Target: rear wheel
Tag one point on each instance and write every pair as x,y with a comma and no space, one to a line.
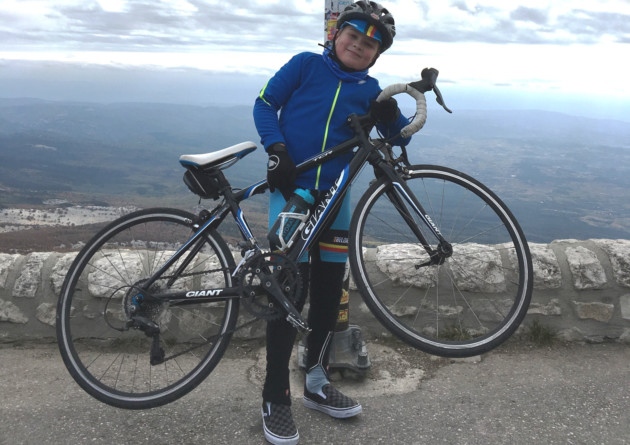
470,303
119,361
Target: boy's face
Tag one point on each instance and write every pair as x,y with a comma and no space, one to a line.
355,50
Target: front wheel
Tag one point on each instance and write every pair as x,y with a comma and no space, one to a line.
470,302
107,318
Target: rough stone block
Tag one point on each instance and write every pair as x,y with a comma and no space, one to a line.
551,308
11,313
401,269
596,311
46,313
587,271
488,269
27,283
624,303
619,253
570,334
547,274
7,261
59,271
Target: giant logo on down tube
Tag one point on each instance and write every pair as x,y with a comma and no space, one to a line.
321,207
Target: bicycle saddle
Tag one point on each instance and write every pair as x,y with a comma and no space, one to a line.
220,159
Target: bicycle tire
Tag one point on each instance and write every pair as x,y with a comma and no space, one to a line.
112,363
466,306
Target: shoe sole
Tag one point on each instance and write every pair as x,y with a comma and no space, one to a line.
337,413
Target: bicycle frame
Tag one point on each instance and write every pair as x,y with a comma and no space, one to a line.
323,215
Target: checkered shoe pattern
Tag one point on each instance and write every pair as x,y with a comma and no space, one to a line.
332,402
278,424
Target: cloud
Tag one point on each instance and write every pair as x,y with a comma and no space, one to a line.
595,26
540,44
156,25
535,16
558,22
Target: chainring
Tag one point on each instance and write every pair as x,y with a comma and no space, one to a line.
256,301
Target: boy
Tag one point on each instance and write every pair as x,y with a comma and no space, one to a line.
315,94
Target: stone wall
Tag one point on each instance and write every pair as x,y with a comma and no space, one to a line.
581,291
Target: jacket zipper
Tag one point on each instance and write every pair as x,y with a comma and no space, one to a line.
332,109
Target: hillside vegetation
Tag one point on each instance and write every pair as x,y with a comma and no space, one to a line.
563,176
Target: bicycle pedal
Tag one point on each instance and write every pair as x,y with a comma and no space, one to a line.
299,324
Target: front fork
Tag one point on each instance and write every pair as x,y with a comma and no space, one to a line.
402,198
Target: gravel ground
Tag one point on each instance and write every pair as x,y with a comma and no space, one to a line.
518,394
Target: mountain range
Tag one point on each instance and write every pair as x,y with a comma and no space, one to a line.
563,176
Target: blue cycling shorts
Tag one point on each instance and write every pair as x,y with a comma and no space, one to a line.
333,245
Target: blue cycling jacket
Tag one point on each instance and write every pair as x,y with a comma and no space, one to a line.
314,102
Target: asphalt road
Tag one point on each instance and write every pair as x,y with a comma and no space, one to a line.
567,394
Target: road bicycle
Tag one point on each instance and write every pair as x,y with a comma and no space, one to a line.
150,303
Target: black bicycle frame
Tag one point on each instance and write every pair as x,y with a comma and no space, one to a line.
325,210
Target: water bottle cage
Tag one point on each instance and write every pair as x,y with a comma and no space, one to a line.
290,217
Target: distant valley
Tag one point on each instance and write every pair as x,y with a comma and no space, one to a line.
563,176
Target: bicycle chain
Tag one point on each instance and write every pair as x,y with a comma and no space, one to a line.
258,304
285,272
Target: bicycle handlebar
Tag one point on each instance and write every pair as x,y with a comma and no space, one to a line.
416,90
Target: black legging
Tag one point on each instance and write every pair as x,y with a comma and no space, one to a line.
325,282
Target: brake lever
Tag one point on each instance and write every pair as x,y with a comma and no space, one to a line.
439,99
428,83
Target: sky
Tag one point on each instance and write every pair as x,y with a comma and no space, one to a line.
554,54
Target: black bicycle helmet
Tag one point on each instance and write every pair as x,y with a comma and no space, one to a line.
375,14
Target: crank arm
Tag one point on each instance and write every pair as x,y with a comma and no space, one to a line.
299,324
